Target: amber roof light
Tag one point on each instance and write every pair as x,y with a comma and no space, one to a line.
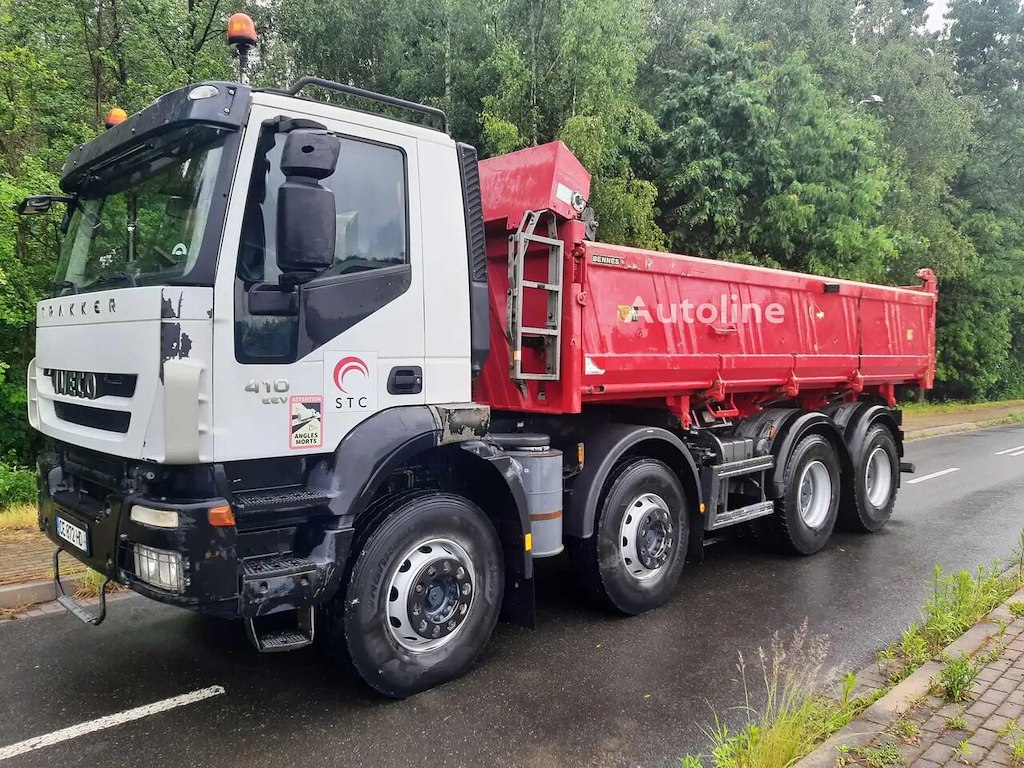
115,116
241,30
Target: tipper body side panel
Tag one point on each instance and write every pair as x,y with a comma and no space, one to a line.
648,328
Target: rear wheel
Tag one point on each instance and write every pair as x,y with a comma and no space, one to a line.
633,561
869,500
806,513
423,595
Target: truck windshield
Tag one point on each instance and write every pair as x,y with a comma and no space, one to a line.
139,221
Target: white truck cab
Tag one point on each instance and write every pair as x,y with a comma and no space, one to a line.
267,316
170,277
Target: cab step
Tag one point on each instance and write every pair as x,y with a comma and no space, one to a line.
271,634
74,607
279,499
273,584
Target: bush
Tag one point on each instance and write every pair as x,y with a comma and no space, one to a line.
17,486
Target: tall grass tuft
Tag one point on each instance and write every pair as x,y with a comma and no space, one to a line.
786,714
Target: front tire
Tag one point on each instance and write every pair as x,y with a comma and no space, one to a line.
805,515
633,560
869,500
423,595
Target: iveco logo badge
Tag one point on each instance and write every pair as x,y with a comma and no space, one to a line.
74,383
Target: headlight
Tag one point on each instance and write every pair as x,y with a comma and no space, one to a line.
159,567
158,518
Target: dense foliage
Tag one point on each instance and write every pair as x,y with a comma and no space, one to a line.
742,129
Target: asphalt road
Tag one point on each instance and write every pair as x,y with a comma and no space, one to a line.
582,689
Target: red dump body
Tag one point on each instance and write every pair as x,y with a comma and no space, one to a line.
678,332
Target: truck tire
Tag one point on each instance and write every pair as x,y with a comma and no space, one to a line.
806,513
423,594
869,498
633,560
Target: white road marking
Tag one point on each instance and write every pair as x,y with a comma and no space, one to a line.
108,721
1017,453
1010,450
933,475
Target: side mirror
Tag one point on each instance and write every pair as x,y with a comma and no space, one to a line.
306,211
37,204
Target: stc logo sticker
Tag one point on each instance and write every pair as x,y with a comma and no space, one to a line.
346,366
351,381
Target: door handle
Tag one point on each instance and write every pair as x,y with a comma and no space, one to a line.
405,380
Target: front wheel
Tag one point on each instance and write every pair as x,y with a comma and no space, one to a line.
633,560
423,596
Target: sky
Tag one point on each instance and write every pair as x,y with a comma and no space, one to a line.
935,11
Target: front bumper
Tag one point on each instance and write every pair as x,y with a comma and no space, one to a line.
227,571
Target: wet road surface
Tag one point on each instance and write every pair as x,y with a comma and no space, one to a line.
584,688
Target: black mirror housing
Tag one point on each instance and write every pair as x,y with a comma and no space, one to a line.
39,204
306,211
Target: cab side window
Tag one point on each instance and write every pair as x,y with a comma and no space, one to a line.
371,246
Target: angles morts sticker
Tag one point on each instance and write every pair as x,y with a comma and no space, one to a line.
350,381
307,421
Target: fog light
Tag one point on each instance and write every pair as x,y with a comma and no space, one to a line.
159,567
158,518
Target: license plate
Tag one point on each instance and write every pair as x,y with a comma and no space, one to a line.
77,537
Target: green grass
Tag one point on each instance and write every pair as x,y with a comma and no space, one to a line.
957,602
1007,728
964,749
1017,749
878,757
906,729
956,677
1017,608
958,723
949,406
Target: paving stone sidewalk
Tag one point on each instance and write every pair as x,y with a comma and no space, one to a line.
26,556
925,730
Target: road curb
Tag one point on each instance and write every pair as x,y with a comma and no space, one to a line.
33,592
876,719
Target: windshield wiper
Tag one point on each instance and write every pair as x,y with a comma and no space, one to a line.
61,286
114,277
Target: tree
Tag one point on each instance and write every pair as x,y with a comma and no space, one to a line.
759,164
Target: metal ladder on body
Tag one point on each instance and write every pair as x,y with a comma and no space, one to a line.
550,335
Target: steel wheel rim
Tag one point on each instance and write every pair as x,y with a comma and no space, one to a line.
878,477
430,594
814,494
646,536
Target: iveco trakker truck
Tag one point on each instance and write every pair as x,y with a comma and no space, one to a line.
322,371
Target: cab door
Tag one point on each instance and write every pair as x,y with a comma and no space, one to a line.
301,359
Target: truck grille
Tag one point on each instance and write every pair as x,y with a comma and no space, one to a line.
96,418
107,384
